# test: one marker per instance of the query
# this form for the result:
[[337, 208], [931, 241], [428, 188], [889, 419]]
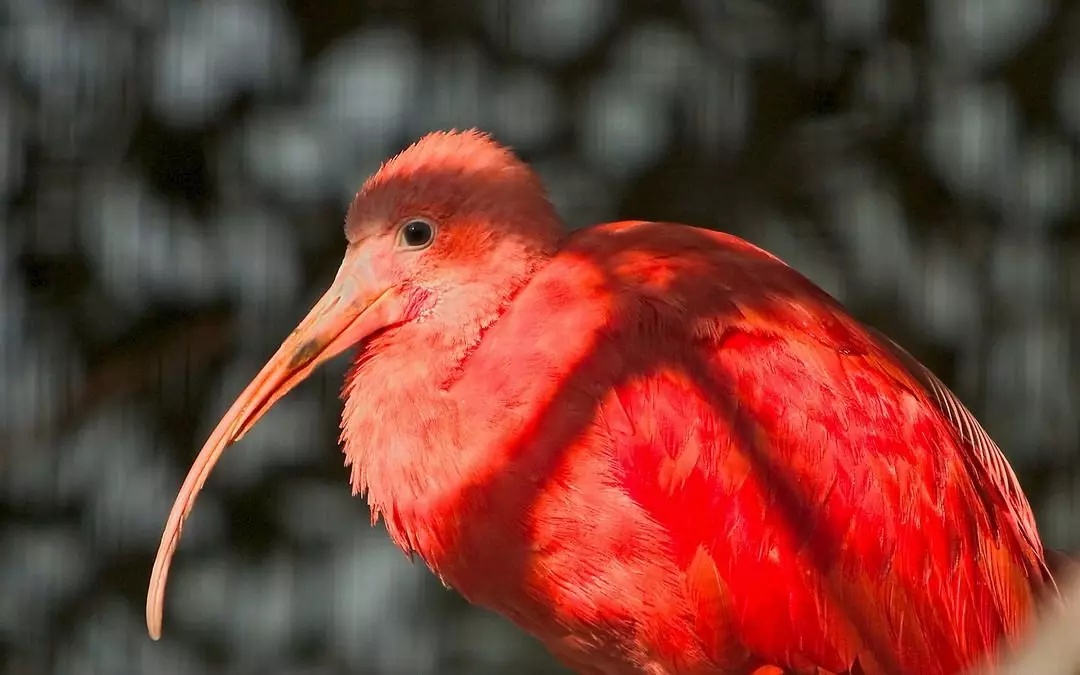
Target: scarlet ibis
[[657, 448]]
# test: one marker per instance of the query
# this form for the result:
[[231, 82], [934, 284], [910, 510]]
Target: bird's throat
[[410, 445]]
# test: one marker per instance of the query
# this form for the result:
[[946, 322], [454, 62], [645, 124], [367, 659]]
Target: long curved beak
[[353, 308]]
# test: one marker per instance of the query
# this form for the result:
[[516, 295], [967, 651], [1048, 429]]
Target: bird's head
[[442, 234], [445, 228]]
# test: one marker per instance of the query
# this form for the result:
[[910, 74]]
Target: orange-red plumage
[[655, 447]]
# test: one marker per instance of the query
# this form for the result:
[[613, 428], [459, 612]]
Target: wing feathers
[[987, 458], [857, 525]]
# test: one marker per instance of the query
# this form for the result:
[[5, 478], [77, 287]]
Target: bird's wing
[[981, 450], [829, 501]]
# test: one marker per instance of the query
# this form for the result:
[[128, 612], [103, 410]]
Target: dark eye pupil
[[416, 233]]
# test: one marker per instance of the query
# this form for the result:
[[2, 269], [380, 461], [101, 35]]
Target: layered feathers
[[671, 453]]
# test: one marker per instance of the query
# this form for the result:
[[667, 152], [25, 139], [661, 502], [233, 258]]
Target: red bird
[[657, 448]]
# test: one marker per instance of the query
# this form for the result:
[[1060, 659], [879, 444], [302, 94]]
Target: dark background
[[173, 179]]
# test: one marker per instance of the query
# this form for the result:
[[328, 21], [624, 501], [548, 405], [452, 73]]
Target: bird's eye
[[416, 234]]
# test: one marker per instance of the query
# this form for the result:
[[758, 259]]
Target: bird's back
[[821, 500]]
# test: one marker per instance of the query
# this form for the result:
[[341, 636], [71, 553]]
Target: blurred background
[[173, 179]]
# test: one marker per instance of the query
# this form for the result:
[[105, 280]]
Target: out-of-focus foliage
[[173, 176]]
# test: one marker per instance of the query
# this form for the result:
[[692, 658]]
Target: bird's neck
[[458, 434], [406, 432]]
